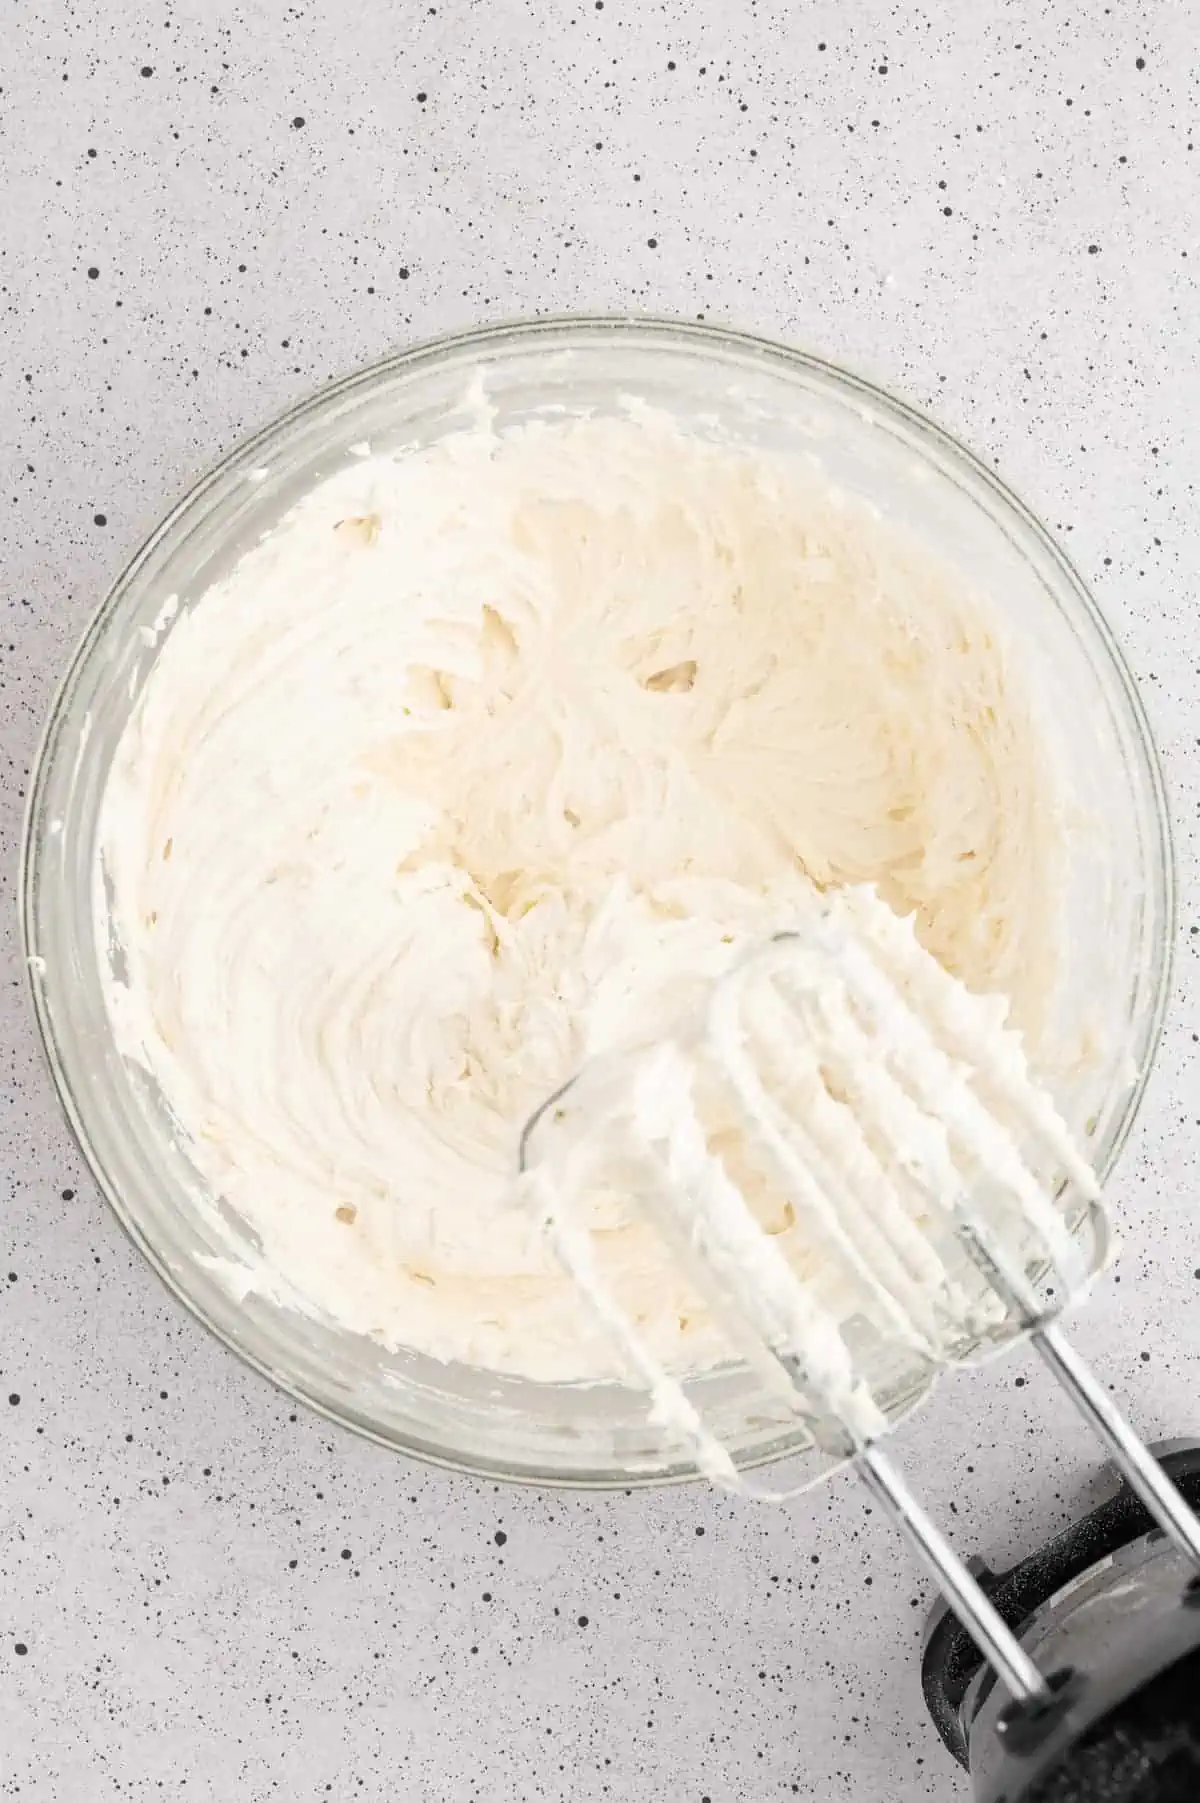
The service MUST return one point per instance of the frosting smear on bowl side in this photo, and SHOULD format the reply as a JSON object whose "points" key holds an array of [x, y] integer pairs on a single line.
{"points": [[487, 759]]}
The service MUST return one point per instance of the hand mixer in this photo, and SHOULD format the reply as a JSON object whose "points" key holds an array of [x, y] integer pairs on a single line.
{"points": [[939, 1203]]}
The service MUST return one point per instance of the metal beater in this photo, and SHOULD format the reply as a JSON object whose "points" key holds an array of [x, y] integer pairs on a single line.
{"points": [[896, 1114]]}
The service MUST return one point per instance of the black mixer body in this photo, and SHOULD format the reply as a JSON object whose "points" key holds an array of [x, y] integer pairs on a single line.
{"points": [[1110, 1612]]}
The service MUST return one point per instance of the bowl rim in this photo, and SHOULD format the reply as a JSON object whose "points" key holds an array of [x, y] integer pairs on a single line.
{"points": [[646, 327]]}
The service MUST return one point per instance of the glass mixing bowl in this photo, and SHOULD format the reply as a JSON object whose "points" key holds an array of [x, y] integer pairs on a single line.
{"points": [[1119, 908]]}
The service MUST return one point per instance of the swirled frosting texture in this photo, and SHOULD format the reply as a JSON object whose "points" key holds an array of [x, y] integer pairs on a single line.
{"points": [[479, 764]]}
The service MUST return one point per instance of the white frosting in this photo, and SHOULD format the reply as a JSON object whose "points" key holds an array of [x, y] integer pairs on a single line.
{"points": [[488, 758]]}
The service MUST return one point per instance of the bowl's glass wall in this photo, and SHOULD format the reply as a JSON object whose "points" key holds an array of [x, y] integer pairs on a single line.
{"points": [[712, 382]]}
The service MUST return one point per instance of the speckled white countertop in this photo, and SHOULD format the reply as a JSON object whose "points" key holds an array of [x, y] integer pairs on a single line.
{"points": [[209, 210]]}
